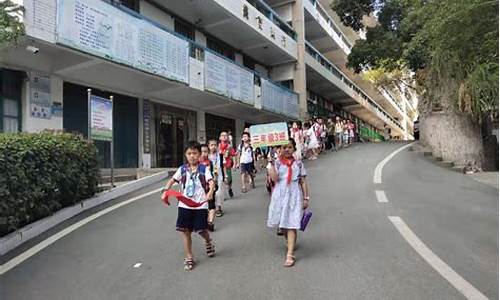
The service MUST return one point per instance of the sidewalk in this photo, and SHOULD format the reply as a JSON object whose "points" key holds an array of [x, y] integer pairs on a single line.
{"points": [[489, 178]]}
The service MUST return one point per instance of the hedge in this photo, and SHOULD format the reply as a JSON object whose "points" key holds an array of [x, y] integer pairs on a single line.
{"points": [[42, 173]]}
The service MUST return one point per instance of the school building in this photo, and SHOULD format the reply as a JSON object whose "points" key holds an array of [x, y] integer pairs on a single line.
{"points": [[183, 70]]}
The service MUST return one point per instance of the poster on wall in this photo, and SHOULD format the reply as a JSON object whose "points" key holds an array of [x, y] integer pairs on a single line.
{"points": [[40, 97], [146, 133], [101, 119], [228, 79], [279, 100], [98, 28]]}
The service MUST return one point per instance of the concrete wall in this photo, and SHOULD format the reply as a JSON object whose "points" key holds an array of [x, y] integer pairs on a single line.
{"points": [[31, 124], [452, 136], [155, 14]]}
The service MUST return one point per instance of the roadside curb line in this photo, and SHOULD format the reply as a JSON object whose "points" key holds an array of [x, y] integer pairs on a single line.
{"points": [[30, 231]]}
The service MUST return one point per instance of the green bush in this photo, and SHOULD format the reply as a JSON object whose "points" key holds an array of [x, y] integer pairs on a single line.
{"points": [[42, 173]]}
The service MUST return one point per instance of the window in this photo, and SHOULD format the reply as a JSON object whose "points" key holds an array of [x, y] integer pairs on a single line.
{"points": [[10, 116], [184, 29], [197, 52], [10, 100], [248, 62], [220, 47], [132, 4]]}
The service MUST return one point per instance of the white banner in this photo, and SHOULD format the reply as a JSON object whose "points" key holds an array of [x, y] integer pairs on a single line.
{"points": [[98, 28], [228, 79]]}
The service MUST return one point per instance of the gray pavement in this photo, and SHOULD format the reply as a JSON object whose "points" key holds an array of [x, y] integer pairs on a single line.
{"points": [[350, 250]]}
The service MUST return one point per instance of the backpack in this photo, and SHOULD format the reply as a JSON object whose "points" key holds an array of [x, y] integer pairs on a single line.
{"points": [[201, 176], [240, 149]]}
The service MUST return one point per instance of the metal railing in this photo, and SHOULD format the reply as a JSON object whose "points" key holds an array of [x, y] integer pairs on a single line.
{"points": [[330, 22], [337, 73], [274, 17]]}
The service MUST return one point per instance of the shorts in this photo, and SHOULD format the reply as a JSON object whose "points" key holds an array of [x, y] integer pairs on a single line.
{"points": [[211, 203], [246, 168], [193, 220]]}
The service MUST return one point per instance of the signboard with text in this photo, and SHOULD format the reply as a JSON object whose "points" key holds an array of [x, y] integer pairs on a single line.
{"points": [[101, 120], [271, 134]]}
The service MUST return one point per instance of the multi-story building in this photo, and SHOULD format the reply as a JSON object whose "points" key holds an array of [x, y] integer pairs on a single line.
{"points": [[185, 69]]}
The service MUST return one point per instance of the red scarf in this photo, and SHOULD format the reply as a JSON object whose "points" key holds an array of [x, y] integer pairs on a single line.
{"points": [[206, 162], [288, 163], [223, 147], [187, 201]]}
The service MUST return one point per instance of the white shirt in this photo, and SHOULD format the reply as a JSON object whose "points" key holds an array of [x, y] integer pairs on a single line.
{"points": [[199, 192], [246, 154]]}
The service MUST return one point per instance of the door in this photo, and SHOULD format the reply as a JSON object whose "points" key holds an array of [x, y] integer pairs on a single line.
{"points": [[171, 139]]}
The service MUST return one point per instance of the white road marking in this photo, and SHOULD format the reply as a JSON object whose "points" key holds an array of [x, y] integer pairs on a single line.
{"points": [[137, 265], [52, 239], [432, 259], [377, 175], [381, 197]]}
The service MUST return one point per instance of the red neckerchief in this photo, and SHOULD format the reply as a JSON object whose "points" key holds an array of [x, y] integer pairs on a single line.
{"points": [[288, 163], [223, 147], [206, 162]]}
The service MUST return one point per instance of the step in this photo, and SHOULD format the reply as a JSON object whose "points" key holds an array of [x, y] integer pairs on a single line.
{"points": [[118, 178]]}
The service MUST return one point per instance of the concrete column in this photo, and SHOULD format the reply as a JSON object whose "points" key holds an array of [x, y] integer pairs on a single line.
{"points": [[200, 124], [239, 127], [299, 76]]}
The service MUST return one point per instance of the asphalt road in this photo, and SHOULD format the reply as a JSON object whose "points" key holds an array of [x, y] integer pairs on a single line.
{"points": [[350, 251]]}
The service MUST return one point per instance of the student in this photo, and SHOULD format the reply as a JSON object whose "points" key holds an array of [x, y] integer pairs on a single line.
{"points": [[313, 143], [245, 162], [220, 194], [330, 128], [338, 133], [197, 184], [289, 198], [227, 153], [297, 134], [211, 202]]}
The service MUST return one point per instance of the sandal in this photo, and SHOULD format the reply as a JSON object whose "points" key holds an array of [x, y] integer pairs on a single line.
{"points": [[210, 248], [280, 232], [219, 213], [290, 261], [188, 263], [211, 226]]}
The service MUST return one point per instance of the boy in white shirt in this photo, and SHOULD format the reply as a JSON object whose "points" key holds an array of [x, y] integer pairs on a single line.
{"points": [[245, 162], [197, 184]]}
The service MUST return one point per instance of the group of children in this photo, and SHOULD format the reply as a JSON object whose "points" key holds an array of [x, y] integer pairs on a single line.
{"points": [[314, 136], [206, 179]]}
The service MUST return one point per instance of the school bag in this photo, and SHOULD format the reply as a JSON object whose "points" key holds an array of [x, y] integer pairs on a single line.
{"points": [[201, 176]]}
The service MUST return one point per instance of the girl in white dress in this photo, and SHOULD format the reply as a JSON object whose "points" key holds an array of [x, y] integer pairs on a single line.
{"points": [[297, 134], [289, 198]]}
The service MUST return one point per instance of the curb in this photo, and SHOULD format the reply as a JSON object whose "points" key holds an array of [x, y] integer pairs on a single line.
{"points": [[22, 235]]}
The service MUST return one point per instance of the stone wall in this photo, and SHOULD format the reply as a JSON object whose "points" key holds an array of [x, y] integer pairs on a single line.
{"points": [[452, 136]]}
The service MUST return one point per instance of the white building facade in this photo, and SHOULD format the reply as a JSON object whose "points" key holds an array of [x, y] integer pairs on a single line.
{"points": [[184, 70]]}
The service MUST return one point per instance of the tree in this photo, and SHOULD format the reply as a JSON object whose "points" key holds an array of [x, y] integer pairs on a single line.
{"points": [[11, 27], [452, 48], [452, 41]]}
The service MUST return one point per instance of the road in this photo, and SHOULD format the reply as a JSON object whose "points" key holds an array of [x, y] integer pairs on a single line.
{"points": [[351, 249]]}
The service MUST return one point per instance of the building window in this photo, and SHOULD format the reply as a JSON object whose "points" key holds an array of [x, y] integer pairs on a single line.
{"points": [[132, 4], [184, 29], [248, 62], [220, 47], [10, 100], [197, 52], [10, 116]]}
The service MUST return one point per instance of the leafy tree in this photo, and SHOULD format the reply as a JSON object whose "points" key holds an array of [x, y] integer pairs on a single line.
{"points": [[451, 45], [11, 28]]}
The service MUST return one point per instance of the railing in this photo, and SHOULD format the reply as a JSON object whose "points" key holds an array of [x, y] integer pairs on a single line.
{"points": [[331, 23], [386, 93], [131, 18], [367, 133], [273, 16], [337, 73]]}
